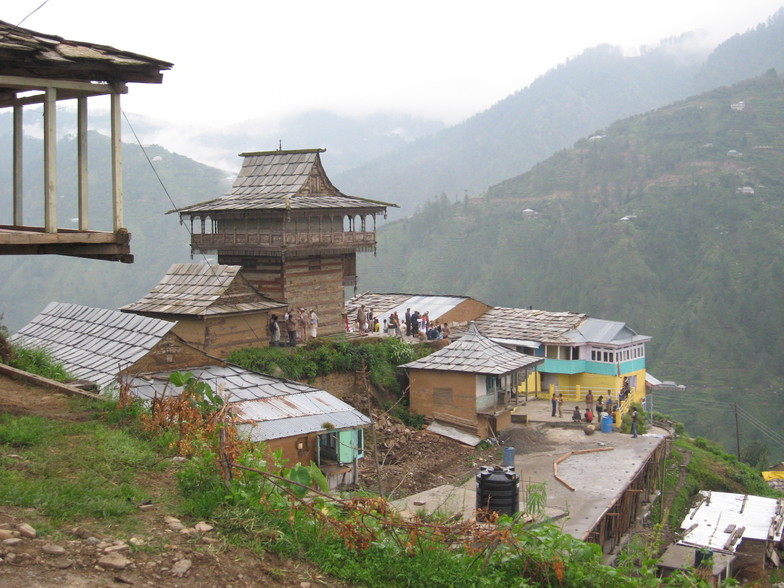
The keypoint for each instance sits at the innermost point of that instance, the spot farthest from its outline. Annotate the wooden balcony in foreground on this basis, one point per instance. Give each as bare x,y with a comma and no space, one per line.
23,240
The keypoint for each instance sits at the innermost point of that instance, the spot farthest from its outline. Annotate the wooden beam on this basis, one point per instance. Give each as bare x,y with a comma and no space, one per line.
18,173
16,237
50,161
81,124
25,83
116,139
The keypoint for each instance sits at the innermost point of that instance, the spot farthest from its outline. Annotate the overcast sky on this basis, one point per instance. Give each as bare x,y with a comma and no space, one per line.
237,60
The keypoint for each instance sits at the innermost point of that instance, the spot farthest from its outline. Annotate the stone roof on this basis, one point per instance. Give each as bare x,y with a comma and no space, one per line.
474,353
198,289
284,181
28,53
542,326
93,344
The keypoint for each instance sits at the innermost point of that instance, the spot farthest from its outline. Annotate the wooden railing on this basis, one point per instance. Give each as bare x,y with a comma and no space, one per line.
278,239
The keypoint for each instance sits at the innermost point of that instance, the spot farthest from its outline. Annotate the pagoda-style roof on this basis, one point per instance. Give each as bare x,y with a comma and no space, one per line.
476,354
38,55
198,289
284,181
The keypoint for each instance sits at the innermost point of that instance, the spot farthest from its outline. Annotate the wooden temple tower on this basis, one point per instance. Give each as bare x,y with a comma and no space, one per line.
295,235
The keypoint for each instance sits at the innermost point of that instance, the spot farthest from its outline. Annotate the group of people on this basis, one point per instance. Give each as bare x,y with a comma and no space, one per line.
416,325
600,405
593,409
300,326
420,325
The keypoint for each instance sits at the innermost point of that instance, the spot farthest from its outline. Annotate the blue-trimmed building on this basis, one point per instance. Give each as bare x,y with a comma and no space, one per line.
580,353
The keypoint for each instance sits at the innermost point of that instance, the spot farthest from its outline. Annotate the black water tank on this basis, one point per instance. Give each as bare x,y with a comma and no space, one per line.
497,490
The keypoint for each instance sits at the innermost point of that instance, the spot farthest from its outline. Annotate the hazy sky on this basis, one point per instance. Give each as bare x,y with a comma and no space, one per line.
236,60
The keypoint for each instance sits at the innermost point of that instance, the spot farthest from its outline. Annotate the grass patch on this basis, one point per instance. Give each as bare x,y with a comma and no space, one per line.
69,471
38,361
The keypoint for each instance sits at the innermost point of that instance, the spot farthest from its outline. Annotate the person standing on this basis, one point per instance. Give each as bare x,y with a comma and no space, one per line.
634,424
560,405
599,408
589,399
274,330
554,403
291,329
408,322
313,318
302,326
362,320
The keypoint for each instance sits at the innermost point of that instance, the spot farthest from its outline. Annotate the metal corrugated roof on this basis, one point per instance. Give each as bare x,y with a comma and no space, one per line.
200,289
273,407
294,426
719,512
236,382
280,180
474,353
93,344
593,330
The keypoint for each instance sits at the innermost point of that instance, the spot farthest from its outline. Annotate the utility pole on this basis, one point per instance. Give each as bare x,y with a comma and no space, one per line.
737,430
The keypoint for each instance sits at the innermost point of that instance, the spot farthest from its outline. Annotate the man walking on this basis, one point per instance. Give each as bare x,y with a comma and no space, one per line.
634,424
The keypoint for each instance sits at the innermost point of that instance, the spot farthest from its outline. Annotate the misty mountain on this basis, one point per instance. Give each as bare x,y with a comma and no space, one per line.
572,100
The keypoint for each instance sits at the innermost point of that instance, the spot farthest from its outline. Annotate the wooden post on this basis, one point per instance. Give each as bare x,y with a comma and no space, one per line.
18,169
116,139
81,135
50,160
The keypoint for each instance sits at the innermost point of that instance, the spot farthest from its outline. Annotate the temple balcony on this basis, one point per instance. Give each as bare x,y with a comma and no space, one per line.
275,242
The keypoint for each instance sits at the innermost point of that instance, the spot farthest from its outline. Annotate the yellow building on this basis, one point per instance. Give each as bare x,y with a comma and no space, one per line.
580,353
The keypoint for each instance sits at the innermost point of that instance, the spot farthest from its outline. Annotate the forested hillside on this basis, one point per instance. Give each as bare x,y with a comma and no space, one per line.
570,101
672,221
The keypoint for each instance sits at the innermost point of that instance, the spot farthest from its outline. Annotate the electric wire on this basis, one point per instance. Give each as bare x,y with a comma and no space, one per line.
44,3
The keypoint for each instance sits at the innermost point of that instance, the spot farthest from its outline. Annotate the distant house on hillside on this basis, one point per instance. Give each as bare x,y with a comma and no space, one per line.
736,530
466,387
215,308
306,424
440,309
42,70
98,345
295,235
